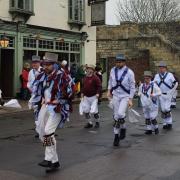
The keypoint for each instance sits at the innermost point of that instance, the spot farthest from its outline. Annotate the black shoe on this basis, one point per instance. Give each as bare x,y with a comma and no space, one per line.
116,140
148,132
156,131
88,125
165,126
169,126
45,163
54,166
122,134
36,135
97,125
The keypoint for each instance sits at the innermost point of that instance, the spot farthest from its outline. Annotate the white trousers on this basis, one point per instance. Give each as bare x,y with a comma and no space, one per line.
119,107
91,107
47,124
151,114
165,104
173,100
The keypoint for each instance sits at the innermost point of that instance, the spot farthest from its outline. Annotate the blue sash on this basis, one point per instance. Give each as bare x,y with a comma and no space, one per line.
119,82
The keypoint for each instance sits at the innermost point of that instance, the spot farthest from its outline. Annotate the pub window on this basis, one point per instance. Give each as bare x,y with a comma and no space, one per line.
29,42
46,44
77,11
63,46
75,47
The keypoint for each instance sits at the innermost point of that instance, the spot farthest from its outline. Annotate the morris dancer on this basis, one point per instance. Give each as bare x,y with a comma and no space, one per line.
167,83
149,92
54,87
122,89
90,93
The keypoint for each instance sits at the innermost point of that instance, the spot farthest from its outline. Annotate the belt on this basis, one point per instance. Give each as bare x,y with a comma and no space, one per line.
164,93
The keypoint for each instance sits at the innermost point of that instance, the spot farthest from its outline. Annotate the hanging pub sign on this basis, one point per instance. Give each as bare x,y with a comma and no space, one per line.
98,12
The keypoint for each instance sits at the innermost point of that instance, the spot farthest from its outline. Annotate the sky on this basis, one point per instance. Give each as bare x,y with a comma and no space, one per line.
110,12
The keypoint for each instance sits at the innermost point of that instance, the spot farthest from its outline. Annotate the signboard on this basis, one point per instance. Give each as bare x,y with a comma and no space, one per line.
98,15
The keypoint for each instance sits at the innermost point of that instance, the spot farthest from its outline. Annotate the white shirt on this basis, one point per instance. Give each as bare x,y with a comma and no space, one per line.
145,95
32,76
128,82
168,80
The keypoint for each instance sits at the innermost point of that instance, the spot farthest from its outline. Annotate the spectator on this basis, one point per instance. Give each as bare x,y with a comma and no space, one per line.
24,79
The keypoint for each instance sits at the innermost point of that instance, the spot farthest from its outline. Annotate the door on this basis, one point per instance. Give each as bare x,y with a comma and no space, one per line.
6,72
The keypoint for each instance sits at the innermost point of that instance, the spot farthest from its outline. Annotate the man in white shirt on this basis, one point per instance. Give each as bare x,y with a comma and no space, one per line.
34,72
36,69
121,88
168,84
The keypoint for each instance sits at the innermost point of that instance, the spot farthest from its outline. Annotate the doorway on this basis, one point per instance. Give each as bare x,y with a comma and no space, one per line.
6,72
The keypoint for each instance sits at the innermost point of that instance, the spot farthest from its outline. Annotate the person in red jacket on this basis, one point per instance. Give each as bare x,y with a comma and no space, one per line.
24,80
91,88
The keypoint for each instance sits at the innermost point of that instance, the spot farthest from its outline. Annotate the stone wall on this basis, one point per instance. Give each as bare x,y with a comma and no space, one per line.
143,44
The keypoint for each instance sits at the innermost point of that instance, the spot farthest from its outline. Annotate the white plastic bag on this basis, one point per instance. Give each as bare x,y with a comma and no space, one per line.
133,116
13,103
81,111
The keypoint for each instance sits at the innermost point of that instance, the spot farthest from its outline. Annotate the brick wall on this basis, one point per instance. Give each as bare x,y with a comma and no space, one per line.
138,65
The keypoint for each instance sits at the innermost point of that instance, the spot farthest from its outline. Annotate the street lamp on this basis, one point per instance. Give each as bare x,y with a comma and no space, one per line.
4,41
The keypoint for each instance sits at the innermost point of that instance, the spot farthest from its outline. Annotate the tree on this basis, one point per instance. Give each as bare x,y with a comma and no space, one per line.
145,11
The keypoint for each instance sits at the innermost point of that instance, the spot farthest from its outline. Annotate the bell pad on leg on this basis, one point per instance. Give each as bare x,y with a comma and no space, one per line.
165,114
116,124
48,140
96,116
148,122
154,122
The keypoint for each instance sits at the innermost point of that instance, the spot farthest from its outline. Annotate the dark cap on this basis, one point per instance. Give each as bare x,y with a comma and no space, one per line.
50,58
120,57
36,58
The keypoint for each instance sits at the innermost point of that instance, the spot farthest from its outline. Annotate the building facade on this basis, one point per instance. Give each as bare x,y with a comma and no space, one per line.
37,26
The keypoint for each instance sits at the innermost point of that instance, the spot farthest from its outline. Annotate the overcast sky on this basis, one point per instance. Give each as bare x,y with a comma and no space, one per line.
110,12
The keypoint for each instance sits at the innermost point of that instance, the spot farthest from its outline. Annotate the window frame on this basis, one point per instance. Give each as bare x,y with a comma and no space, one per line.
80,13
29,10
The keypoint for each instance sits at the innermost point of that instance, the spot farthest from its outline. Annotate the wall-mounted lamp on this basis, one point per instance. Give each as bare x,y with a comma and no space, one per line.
4,41
84,36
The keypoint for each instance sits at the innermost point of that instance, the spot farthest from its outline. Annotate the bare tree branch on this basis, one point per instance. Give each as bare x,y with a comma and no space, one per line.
143,11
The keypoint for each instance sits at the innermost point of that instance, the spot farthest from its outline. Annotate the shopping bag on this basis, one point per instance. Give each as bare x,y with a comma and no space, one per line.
133,116
13,103
82,107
